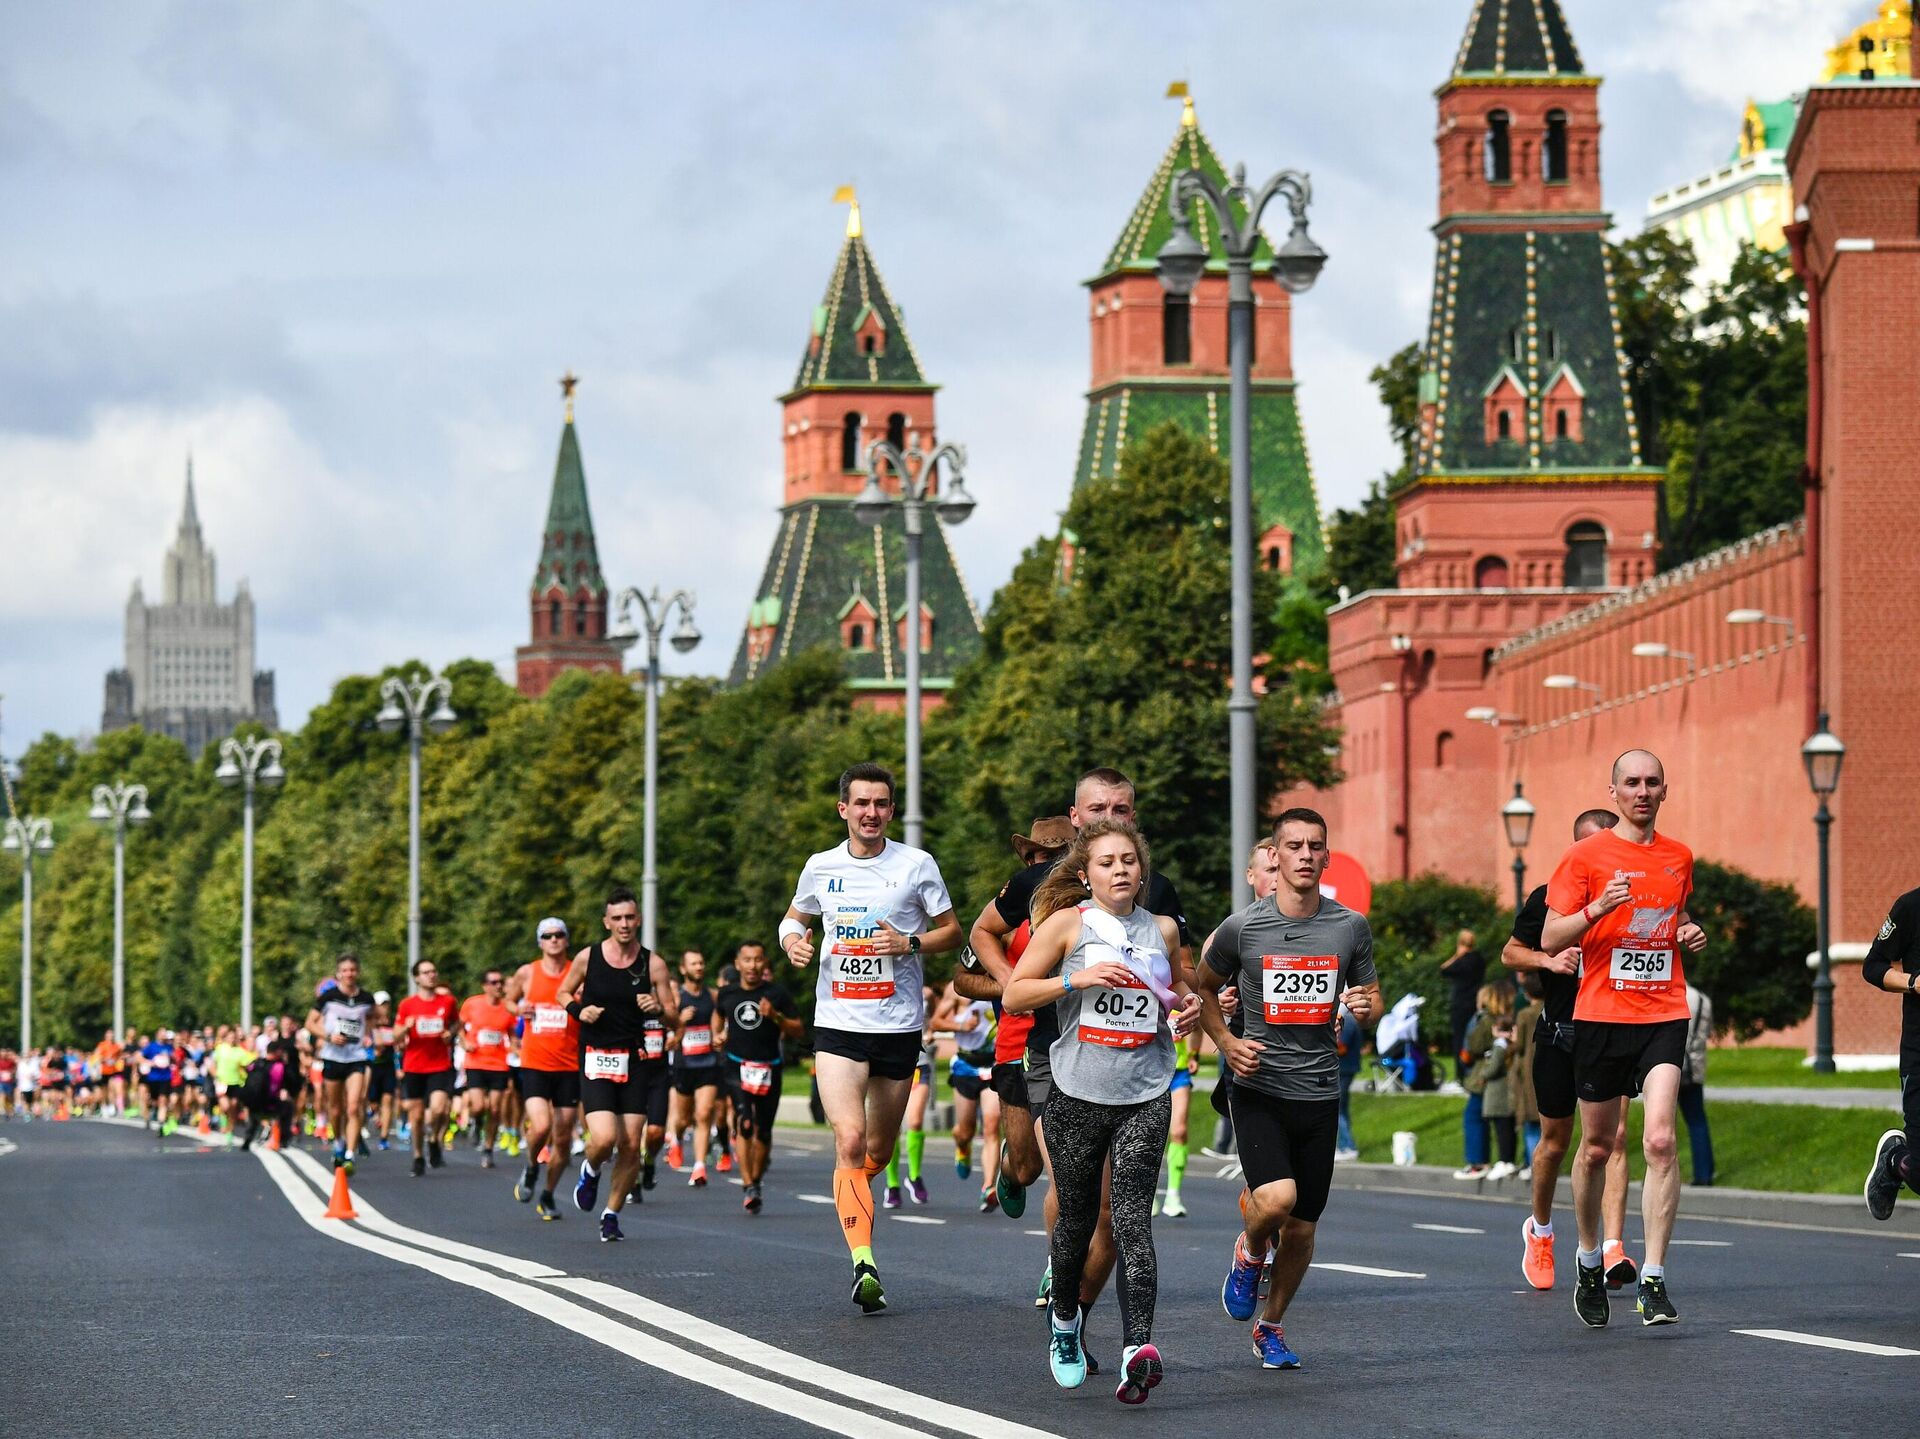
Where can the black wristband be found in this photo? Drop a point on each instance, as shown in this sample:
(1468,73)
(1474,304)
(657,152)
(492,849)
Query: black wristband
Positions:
(573,1007)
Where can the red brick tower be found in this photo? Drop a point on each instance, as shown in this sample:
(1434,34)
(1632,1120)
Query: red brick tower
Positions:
(568,603)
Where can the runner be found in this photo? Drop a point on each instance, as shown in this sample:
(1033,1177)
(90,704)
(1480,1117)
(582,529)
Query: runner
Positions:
(111,1055)
(1298,956)
(913,1124)
(975,1026)
(613,988)
(549,1065)
(485,1021)
(230,1060)
(9,1075)
(383,1073)
(423,1028)
(882,905)
(1263,878)
(1621,896)
(653,1072)
(755,1014)
(696,1073)
(342,1020)
(1107,964)
(1559,977)
(156,1074)
(1892,964)
(1186,1060)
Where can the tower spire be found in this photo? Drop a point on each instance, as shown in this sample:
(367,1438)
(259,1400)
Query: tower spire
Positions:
(845,196)
(190,514)
(1178,91)
(569,382)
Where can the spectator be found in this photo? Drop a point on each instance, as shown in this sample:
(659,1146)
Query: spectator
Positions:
(1464,972)
(1693,1086)
(1526,1106)
(1347,1041)
(1487,1049)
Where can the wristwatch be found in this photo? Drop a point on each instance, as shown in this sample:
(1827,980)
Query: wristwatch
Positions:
(913,944)
(1915,975)
(969,961)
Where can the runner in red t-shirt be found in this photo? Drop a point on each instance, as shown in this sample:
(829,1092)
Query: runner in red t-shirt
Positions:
(1621,896)
(485,1023)
(423,1028)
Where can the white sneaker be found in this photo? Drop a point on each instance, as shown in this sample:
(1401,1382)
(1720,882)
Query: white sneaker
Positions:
(1172,1207)
(1471,1171)
(1342,1156)
(1502,1170)
(1526,1173)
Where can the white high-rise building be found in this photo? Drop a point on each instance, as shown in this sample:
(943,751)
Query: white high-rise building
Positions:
(189,670)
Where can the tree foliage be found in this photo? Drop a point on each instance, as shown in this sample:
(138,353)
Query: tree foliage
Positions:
(1759,935)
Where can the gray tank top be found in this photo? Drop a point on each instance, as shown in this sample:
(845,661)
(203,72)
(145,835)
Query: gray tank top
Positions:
(1115,1046)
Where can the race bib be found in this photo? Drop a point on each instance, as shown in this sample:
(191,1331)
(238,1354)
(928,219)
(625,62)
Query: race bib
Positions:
(1298,988)
(656,1043)
(697,1040)
(549,1018)
(756,1078)
(429,1025)
(347,1026)
(858,970)
(607,1064)
(1640,968)
(490,1039)
(383,1036)
(1124,1018)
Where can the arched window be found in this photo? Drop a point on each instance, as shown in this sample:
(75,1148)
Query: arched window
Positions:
(850,442)
(553,618)
(1490,573)
(1553,155)
(857,637)
(1499,151)
(897,431)
(1486,664)
(1586,567)
(1443,750)
(579,619)
(1176,330)
(1273,557)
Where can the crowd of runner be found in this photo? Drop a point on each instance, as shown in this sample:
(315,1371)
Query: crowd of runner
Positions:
(1072,1029)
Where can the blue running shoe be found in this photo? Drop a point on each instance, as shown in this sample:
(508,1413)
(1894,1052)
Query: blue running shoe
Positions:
(963,1165)
(1271,1345)
(1064,1357)
(1140,1370)
(1242,1288)
(610,1228)
(586,1190)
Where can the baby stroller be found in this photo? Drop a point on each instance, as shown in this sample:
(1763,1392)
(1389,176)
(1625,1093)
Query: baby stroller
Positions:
(1401,1063)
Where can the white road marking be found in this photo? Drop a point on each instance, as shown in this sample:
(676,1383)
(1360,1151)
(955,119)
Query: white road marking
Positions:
(7,1146)
(1822,1341)
(1704,1243)
(1907,1256)
(1369,1270)
(914,1219)
(814,1198)
(647,1348)
(1449,1229)
(1042,1234)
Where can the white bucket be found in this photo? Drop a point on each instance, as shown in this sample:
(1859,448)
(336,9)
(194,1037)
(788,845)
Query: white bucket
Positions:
(1405,1147)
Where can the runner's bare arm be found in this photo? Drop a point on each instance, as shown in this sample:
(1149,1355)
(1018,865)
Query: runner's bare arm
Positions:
(1033,985)
(1187,1018)
(1562,930)
(570,989)
(1517,956)
(517,988)
(798,948)
(1363,1003)
(941,935)
(1242,1055)
(663,995)
(1227,996)
(988,940)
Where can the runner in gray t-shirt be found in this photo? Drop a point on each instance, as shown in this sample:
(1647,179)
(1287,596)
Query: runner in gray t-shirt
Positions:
(1299,958)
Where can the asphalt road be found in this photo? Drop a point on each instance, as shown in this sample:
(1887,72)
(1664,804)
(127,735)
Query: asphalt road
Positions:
(167,1288)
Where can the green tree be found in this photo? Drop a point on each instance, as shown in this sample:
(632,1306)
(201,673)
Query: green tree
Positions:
(1759,935)
(1414,923)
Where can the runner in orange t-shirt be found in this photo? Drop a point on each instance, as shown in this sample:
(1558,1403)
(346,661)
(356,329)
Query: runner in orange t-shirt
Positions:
(549,1064)
(485,1023)
(110,1055)
(1621,896)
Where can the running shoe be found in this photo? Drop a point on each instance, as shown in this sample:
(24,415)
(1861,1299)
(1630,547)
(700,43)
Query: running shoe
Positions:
(1045,1291)
(917,1190)
(647,1180)
(384,1146)
(169,1127)
(751,1201)
(419,1166)
(673,1154)
(1064,1358)
(365,1152)
(339,1155)
(1883,1179)
(890,1197)
(586,1190)
(1590,1295)
(963,1162)
(523,1186)
(867,1292)
(1013,1197)
(989,1201)
(698,1179)
(725,1166)
(1618,1263)
(1270,1343)
(610,1228)
(1536,1255)
(1653,1304)
(434,1161)
(1139,1372)
(1173,1208)
(345,1165)
(486,1159)
(1241,1290)
(546,1208)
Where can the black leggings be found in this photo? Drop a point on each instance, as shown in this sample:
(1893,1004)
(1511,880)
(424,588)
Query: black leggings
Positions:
(1506,1138)
(1080,1138)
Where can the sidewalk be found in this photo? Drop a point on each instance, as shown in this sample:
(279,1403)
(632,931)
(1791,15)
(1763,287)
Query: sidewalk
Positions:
(1737,1094)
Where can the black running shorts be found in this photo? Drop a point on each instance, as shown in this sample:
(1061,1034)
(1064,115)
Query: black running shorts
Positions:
(381,1081)
(417,1085)
(1552,1080)
(559,1087)
(1010,1083)
(887,1056)
(687,1079)
(487,1081)
(1287,1139)
(753,1114)
(1611,1061)
(334,1070)
(968,1086)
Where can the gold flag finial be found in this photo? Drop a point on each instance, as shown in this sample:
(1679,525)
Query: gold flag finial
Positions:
(845,196)
(569,382)
(1178,91)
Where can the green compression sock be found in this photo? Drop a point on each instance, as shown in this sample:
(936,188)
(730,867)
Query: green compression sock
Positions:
(1176,1164)
(916,1147)
(893,1171)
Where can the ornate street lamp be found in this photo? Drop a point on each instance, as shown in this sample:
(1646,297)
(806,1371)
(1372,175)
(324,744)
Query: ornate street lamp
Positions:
(119,805)
(404,702)
(248,762)
(1823,755)
(654,612)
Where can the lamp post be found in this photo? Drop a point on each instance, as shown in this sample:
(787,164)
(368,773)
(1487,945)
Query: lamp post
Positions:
(404,701)
(1517,815)
(1823,754)
(27,835)
(1296,265)
(120,805)
(653,613)
(918,473)
(248,762)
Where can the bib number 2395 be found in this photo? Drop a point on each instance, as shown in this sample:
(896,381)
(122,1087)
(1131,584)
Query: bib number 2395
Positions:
(1298,988)
(1119,1018)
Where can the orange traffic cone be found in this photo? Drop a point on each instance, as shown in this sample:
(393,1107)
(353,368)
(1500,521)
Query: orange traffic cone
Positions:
(205,1128)
(274,1143)
(341,1205)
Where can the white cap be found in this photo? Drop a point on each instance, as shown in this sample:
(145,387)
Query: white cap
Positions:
(549,923)
(380,996)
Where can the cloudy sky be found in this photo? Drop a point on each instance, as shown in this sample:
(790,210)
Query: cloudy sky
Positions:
(340,252)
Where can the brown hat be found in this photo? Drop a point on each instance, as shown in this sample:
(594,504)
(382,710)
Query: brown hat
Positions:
(1049,836)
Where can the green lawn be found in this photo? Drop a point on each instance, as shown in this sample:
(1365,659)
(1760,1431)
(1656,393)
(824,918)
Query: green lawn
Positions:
(1794,1147)
(1764,1066)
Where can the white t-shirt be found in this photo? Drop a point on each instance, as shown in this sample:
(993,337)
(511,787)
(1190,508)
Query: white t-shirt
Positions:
(857,988)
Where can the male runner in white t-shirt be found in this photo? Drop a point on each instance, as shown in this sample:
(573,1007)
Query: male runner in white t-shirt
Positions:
(882,905)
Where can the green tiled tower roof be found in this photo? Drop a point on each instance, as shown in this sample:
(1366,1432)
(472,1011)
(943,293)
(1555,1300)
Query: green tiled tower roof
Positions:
(1517,37)
(1151,223)
(857,297)
(568,554)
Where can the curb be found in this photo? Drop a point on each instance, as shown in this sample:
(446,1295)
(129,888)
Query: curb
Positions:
(1834,1213)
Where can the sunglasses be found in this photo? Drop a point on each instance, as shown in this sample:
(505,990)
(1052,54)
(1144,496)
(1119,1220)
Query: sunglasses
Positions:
(554,934)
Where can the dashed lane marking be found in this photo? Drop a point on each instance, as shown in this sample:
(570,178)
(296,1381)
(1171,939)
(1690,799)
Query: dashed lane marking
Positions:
(814,1198)
(1704,1243)
(1823,1341)
(914,1219)
(1370,1271)
(1449,1229)
(1042,1234)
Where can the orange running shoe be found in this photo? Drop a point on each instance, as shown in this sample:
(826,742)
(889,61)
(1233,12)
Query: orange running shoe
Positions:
(1621,1270)
(673,1154)
(726,1161)
(1536,1261)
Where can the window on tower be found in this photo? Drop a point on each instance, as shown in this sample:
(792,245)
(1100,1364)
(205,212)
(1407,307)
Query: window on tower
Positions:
(897,431)
(1499,151)
(553,618)
(1553,155)
(1176,330)
(850,441)
(1503,425)
(1586,567)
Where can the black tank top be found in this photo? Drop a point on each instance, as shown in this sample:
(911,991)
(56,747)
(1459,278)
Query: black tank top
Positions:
(616,992)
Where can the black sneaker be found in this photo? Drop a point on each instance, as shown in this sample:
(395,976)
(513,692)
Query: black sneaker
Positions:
(523,1186)
(546,1208)
(867,1292)
(433,1154)
(1654,1306)
(1883,1179)
(610,1228)
(646,1174)
(1590,1295)
(751,1201)
(419,1166)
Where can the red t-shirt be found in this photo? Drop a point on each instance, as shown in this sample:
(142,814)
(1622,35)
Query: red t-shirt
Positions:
(430,1041)
(486,1025)
(1629,961)
(1010,1040)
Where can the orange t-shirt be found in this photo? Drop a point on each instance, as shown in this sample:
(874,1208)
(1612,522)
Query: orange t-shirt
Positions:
(551,1042)
(107,1054)
(1629,962)
(486,1025)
